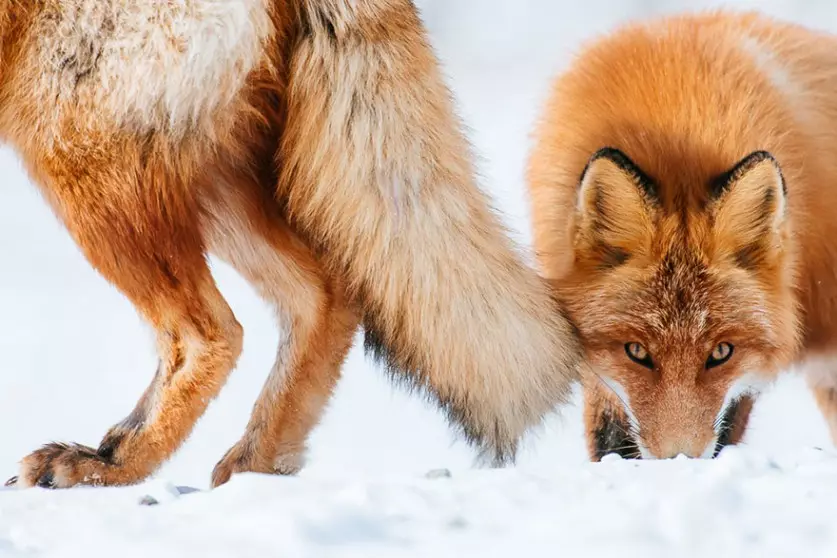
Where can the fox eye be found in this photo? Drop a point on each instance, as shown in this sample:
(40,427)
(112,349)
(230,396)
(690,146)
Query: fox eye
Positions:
(639,355)
(720,354)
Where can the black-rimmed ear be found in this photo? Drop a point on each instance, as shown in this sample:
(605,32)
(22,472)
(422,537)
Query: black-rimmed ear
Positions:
(750,208)
(615,205)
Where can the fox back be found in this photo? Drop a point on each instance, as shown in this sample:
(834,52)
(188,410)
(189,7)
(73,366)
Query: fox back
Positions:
(682,185)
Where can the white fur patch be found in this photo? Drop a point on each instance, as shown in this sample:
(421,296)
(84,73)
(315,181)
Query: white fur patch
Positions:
(819,371)
(772,67)
(148,63)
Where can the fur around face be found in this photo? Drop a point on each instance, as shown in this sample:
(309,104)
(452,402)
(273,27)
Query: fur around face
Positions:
(313,146)
(682,201)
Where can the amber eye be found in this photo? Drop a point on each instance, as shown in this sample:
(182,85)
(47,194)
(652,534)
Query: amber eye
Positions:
(639,355)
(720,354)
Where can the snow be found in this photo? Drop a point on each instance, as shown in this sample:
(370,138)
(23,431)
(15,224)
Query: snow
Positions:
(77,357)
(742,505)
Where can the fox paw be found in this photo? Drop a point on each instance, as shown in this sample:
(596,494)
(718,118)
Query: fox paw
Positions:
(241,460)
(237,460)
(59,465)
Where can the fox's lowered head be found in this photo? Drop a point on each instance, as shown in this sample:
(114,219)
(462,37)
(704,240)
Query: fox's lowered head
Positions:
(683,293)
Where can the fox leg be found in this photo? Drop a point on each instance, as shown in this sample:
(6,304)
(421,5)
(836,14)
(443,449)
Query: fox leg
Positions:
(606,425)
(826,398)
(734,424)
(138,228)
(319,329)
(377,176)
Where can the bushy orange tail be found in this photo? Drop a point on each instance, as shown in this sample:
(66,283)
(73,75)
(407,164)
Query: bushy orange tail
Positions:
(378,175)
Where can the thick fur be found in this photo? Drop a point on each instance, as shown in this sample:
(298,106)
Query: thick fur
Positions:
(313,146)
(682,196)
(386,135)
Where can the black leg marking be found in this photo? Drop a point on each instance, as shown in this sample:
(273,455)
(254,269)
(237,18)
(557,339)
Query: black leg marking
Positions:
(727,426)
(612,436)
(109,445)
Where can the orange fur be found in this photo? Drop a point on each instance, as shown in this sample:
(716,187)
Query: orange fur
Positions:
(312,145)
(707,222)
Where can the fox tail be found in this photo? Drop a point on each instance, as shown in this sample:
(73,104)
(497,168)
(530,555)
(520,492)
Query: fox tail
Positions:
(378,176)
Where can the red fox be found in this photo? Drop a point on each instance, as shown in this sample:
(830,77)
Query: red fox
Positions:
(684,213)
(313,145)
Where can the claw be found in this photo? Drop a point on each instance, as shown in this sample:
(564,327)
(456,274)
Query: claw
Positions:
(11,482)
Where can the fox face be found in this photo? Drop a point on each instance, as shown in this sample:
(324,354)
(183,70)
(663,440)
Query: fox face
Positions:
(682,294)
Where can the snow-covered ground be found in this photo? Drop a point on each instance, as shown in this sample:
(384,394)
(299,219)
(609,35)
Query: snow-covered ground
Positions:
(76,358)
(743,505)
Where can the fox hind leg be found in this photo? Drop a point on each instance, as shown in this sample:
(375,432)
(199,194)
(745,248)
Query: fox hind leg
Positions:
(138,227)
(319,325)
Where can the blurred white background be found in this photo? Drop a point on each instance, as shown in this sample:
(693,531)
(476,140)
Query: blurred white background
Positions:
(75,357)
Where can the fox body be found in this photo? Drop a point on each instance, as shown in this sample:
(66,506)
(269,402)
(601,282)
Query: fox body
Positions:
(683,186)
(311,144)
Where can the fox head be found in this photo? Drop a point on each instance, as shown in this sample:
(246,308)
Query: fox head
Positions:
(684,301)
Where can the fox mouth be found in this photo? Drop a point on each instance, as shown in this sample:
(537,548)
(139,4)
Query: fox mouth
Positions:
(615,435)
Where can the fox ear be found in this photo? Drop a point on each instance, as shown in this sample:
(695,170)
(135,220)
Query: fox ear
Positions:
(750,209)
(614,213)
